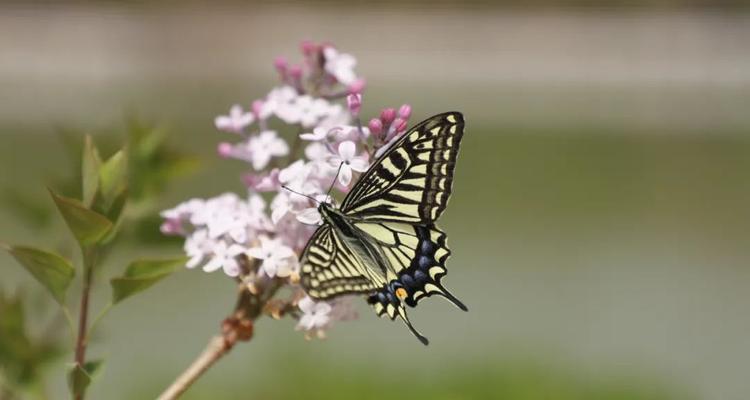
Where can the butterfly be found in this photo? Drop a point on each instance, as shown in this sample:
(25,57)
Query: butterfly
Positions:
(382,242)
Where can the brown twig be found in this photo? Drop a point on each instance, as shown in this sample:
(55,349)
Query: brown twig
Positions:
(89,259)
(236,328)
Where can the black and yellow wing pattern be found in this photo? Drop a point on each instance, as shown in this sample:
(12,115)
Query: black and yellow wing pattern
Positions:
(383,241)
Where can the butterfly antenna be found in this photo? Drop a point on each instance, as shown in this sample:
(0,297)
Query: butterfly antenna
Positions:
(301,194)
(328,195)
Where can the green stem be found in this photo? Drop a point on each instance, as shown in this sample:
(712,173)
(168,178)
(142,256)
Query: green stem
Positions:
(89,260)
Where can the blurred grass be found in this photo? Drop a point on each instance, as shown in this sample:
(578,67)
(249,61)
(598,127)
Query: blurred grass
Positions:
(292,378)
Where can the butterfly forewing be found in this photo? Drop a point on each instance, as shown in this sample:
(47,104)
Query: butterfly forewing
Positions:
(412,180)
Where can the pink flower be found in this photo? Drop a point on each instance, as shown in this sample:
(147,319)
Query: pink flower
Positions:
(236,121)
(354,103)
(319,133)
(340,65)
(263,183)
(311,216)
(225,257)
(265,146)
(278,259)
(315,314)
(348,161)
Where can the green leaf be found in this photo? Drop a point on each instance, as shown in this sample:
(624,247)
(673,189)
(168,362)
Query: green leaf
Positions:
(23,357)
(90,166)
(78,380)
(93,368)
(88,226)
(114,214)
(142,274)
(51,270)
(113,176)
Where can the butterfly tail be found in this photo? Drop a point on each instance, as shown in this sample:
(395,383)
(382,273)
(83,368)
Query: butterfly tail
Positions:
(450,297)
(405,318)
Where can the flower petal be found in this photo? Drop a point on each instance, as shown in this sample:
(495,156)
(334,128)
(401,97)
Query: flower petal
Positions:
(213,265)
(347,150)
(309,216)
(306,305)
(345,175)
(359,164)
(257,252)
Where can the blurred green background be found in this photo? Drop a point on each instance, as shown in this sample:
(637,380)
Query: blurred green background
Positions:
(601,217)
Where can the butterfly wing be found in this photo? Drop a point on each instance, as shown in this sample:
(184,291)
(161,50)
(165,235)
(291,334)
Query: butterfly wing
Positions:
(412,180)
(417,255)
(330,268)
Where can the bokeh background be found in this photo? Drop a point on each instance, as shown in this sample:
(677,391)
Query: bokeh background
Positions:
(600,222)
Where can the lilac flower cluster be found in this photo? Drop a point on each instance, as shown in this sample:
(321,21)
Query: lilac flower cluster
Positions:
(319,102)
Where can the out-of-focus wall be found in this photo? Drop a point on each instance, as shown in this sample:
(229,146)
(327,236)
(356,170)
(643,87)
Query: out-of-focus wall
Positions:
(637,67)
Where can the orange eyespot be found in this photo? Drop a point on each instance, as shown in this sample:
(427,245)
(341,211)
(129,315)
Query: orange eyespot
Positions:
(401,293)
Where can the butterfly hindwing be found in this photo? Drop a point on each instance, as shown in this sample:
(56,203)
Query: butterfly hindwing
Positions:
(329,268)
(418,255)
(412,180)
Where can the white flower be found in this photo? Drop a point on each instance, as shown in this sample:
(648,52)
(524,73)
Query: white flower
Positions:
(347,160)
(256,214)
(280,206)
(197,247)
(315,314)
(340,65)
(297,178)
(264,146)
(311,216)
(318,133)
(224,256)
(278,98)
(263,183)
(337,116)
(317,152)
(236,121)
(304,110)
(278,259)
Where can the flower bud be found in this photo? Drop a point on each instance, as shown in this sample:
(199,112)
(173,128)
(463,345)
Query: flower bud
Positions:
(295,71)
(307,47)
(404,112)
(354,103)
(224,149)
(171,227)
(257,107)
(387,116)
(399,125)
(358,86)
(376,127)
(281,65)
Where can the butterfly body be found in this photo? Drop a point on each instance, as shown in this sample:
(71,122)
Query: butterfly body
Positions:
(382,242)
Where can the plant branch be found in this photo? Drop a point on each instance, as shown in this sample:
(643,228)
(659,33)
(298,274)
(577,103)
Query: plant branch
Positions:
(216,348)
(235,328)
(89,259)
